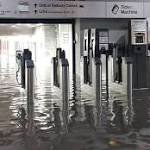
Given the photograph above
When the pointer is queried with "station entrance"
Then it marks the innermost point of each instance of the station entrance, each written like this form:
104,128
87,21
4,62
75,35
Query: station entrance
41,37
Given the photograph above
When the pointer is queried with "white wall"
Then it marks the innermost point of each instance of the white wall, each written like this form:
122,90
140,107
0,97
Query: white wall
64,41
78,46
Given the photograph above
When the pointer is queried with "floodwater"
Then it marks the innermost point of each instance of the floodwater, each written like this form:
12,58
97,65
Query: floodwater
113,125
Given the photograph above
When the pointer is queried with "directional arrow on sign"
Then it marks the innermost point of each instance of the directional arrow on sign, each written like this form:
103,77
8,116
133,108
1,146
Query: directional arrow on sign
35,11
35,5
81,6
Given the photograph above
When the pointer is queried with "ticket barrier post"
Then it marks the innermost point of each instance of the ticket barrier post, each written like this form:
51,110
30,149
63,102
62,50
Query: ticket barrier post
30,96
98,90
27,55
60,54
130,88
64,86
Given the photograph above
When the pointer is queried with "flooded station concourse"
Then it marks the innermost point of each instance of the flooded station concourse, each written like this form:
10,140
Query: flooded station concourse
74,75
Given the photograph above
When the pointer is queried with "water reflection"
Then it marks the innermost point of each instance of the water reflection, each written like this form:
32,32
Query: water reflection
57,120
118,121
21,115
89,116
141,111
93,124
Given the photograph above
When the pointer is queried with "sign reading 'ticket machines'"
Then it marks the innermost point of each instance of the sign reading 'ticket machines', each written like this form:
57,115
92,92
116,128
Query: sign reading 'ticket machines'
124,9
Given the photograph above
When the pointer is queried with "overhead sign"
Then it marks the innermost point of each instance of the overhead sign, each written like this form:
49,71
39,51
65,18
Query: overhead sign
51,9
72,9
75,9
124,9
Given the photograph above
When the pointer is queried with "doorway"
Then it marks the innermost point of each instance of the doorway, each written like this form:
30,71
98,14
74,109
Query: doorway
41,37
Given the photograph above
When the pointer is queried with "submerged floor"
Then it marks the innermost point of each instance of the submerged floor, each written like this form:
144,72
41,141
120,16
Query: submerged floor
113,125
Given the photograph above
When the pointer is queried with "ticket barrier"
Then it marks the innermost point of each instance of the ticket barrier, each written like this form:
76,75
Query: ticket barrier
26,55
101,45
61,82
29,68
60,54
91,65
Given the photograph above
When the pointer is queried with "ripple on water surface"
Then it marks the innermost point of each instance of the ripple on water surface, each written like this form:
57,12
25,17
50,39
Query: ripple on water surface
90,126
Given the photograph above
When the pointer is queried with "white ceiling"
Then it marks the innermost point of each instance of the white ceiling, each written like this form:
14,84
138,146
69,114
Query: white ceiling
16,29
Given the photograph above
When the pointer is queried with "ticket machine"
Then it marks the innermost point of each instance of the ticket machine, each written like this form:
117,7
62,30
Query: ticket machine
139,46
